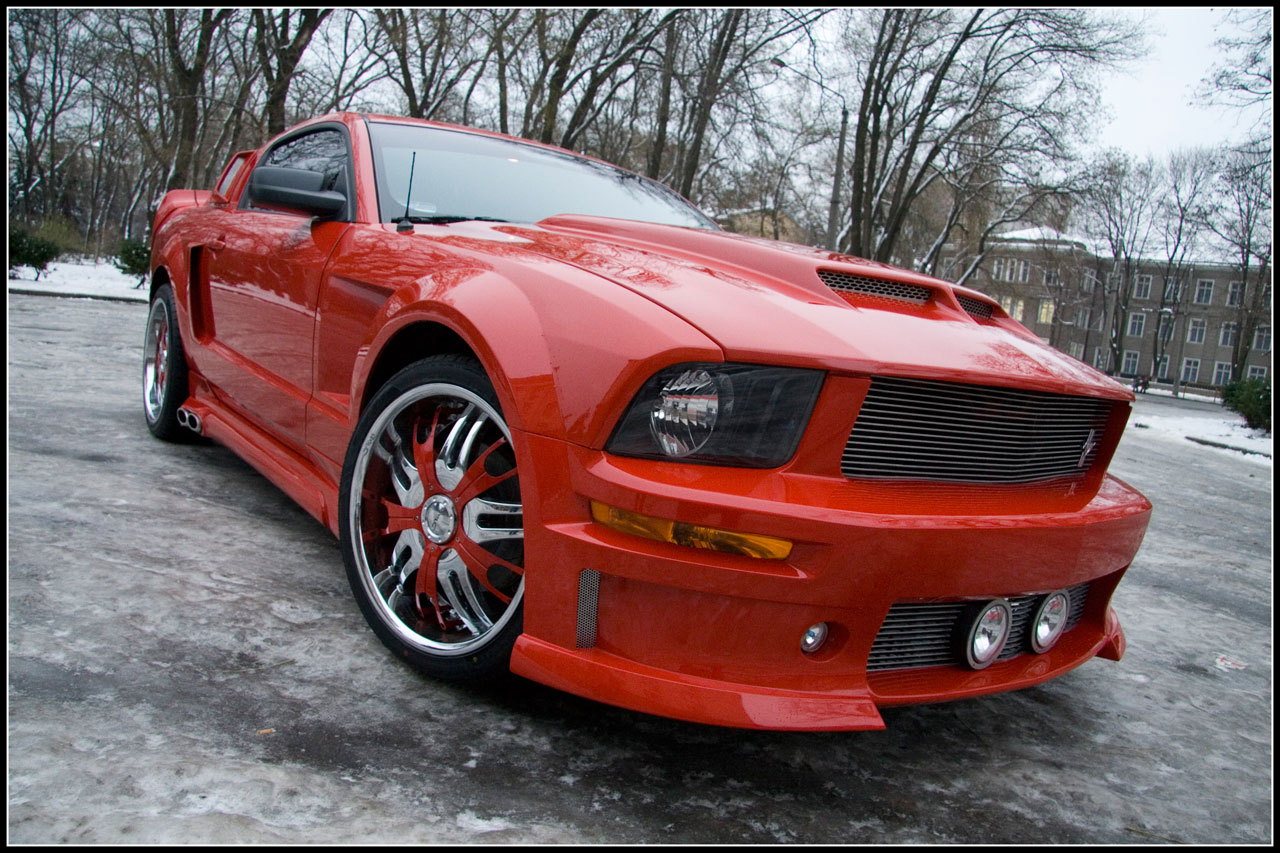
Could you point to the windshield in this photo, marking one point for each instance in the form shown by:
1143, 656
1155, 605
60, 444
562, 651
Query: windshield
458, 175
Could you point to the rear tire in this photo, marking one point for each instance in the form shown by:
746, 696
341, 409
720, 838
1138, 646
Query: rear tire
164, 369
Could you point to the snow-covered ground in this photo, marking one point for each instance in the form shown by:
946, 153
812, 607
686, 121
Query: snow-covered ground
79, 278
1150, 419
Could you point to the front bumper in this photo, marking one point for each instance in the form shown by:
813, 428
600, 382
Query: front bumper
715, 638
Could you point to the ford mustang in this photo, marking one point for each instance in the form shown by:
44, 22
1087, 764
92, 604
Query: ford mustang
565, 426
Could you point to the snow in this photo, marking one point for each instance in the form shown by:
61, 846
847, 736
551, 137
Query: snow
1183, 426
1149, 420
85, 277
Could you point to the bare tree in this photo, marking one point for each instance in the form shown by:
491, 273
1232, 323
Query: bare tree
279, 53
978, 99
1187, 179
1120, 214
1240, 217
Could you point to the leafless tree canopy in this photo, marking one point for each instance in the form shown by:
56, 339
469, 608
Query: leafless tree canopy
961, 122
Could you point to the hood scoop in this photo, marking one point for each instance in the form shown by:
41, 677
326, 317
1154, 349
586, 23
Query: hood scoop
844, 282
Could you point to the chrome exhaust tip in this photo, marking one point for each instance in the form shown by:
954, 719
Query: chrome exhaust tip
190, 420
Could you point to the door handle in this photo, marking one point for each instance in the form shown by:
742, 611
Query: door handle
215, 245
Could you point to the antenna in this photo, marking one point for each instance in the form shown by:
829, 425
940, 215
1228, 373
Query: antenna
404, 224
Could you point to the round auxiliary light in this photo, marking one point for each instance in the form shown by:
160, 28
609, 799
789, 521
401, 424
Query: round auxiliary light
988, 634
1049, 621
814, 638
687, 409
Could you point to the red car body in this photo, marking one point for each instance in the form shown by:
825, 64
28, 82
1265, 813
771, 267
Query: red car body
290, 325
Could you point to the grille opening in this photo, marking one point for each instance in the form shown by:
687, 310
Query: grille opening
975, 307
920, 635
917, 429
850, 283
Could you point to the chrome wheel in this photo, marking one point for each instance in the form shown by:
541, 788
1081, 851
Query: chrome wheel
164, 369
155, 365
434, 520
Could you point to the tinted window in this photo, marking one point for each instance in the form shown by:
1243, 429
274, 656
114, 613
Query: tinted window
463, 175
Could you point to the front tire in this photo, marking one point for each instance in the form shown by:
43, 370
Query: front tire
431, 521
164, 369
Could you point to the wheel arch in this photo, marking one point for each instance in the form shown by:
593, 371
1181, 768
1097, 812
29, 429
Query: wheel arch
418, 339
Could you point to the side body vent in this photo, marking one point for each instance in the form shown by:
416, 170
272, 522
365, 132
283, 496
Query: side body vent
975, 307
848, 283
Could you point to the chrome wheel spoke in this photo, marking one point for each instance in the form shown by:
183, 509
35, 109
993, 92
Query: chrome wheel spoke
479, 517
454, 585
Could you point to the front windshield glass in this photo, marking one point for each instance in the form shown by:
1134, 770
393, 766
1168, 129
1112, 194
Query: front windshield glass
459, 176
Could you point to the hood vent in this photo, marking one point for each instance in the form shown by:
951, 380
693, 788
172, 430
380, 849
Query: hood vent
849, 283
975, 307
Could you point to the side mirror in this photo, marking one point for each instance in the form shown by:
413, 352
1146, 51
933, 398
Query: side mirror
295, 189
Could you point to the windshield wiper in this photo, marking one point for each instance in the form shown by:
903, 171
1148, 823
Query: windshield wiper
445, 219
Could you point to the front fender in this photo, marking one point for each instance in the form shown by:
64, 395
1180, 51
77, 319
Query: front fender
565, 350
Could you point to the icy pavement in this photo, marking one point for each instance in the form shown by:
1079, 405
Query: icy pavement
186, 665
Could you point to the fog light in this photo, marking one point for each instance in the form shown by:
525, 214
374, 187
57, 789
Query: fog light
987, 636
813, 638
1050, 621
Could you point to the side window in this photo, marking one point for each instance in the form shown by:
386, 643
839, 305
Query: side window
229, 176
321, 151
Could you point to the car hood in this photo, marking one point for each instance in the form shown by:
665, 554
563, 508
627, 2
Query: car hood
764, 301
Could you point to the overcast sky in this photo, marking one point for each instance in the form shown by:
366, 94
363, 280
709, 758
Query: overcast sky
1151, 106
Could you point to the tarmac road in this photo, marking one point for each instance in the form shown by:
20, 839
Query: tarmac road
186, 664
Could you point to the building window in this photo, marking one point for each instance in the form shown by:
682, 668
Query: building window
1101, 357
1129, 366
1204, 291
1076, 350
1046, 312
1190, 369
1195, 330
1257, 371
1050, 278
1221, 372
1262, 339
1228, 336
1235, 293
1024, 271
1142, 287
1012, 306
997, 268
1089, 282
1137, 325
1162, 372
1172, 290
1166, 327
948, 268
1082, 318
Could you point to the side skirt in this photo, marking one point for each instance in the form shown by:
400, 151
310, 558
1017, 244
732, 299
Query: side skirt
295, 476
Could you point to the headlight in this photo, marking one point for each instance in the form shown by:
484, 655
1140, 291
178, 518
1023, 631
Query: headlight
719, 414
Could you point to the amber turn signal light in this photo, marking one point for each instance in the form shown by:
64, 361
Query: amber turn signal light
691, 535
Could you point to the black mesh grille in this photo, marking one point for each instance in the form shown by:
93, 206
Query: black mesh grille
916, 635
917, 429
975, 307
875, 287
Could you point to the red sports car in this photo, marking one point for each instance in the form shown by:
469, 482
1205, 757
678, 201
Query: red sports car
565, 425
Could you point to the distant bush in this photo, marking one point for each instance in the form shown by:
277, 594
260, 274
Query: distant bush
134, 259
61, 233
1252, 399
29, 250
